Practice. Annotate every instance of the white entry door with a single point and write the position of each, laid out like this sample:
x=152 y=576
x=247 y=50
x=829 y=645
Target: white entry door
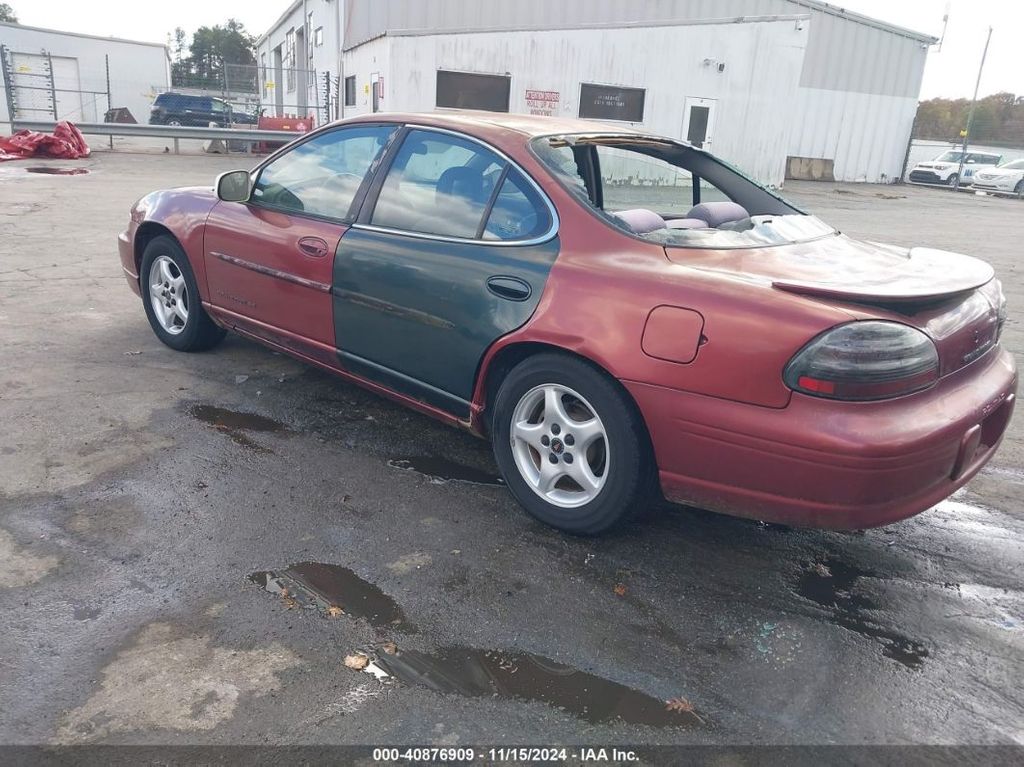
x=699 y=121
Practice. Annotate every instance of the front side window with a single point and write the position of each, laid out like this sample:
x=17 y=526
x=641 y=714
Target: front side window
x=323 y=175
x=438 y=184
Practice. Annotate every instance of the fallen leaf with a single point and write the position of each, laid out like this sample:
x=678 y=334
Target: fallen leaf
x=334 y=611
x=290 y=604
x=390 y=648
x=683 y=706
x=620 y=589
x=357 y=661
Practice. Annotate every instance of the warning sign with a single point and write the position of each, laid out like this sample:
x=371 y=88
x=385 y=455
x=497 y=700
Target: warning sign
x=542 y=102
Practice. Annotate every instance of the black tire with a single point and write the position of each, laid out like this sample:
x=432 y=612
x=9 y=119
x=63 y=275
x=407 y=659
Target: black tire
x=951 y=181
x=198 y=333
x=1019 y=189
x=630 y=481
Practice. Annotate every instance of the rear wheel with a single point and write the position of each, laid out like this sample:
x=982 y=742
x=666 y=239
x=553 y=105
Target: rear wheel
x=953 y=179
x=171 y=298
x=570 y=444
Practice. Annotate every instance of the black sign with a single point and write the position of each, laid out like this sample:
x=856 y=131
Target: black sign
x=465 y=90
x=608 y=102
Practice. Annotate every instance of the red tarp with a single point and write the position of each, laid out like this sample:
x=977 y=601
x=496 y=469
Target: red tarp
x=66 y=143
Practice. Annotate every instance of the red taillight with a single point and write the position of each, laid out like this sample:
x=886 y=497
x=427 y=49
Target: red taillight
x=865 y=361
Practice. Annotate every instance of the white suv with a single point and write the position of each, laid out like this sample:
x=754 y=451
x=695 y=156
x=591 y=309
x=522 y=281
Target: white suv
x=943 y=169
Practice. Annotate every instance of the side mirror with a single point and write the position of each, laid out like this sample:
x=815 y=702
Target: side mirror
x=233 y=186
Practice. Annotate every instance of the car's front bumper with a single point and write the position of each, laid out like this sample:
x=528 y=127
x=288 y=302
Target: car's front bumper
x=993 y=186
x=821 y=463
x=921 y=176
x=126 y=251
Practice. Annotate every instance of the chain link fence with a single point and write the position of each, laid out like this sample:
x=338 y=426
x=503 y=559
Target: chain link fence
x=42 y=85
x=252 y=91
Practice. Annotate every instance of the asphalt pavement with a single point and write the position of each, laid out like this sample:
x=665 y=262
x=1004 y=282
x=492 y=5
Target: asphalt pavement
x=192 y=546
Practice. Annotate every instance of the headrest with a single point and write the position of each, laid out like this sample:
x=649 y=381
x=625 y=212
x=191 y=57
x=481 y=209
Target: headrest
x=718 y=212
x=462 y=182
x=640 y=220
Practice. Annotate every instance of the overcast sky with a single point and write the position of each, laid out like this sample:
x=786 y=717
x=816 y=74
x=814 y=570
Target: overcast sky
x=950 y=72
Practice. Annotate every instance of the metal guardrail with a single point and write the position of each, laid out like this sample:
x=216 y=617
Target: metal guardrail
x=176 y=132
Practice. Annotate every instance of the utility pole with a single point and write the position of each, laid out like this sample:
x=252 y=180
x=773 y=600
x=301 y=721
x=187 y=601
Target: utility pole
x=970 y=113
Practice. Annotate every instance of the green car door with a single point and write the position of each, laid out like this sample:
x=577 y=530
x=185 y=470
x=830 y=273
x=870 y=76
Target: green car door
x=451 y=251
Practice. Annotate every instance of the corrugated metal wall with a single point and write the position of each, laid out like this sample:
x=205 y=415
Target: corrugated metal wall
x=859 y=82
x=842 y=54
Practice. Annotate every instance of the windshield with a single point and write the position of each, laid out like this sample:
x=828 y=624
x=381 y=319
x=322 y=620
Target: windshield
x=670 y=193
x=950 y=156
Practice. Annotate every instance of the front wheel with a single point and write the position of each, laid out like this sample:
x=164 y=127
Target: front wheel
x=1019 y=189
x=570 y=444
x=953 y=179
x=171 y=297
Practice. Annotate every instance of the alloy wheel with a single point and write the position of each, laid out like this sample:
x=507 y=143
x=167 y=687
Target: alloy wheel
x=168 y=295
x=559 y=445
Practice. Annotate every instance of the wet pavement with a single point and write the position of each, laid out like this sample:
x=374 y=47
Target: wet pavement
x=191 y=545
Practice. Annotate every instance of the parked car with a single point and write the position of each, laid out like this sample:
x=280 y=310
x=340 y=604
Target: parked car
x=186 y=109
x=1007 y=178
x=944 y=168
x=617 y=312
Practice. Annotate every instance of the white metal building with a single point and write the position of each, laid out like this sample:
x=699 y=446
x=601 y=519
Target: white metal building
x=776 y=85
x=64 y=75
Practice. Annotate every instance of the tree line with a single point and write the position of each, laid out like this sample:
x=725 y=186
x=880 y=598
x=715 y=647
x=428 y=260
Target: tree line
x=998 y=119
x=221 y=57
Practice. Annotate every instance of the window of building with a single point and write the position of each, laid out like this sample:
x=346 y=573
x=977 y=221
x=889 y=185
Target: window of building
x=263 y=73
x=318 y=36
x=289 y=60
x=438 y=184
x=468 y=90
x=322 y=176
x=350 y=91
x=611 y=102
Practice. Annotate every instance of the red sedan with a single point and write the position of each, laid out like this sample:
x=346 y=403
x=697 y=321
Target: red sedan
x=618 y=312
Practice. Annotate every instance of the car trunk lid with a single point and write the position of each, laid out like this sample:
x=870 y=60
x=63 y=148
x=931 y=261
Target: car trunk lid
x=951 y=297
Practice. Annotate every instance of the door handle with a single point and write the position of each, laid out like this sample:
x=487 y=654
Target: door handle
x=314 y=246
x=509 y=288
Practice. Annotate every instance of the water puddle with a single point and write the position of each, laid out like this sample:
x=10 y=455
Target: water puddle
x=831 y=584
x=46 y=170
x=441 y=470
x=523 y=676
x=334 y=591
x=51 y=170
x=235 y=424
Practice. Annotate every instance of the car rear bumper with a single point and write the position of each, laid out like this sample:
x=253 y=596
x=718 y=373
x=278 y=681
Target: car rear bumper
x=821 y=463
x=127 y=253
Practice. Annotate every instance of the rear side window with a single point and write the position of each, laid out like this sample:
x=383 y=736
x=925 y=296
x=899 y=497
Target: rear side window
x=438 y=184
x=518 y=212
x=323 y=175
